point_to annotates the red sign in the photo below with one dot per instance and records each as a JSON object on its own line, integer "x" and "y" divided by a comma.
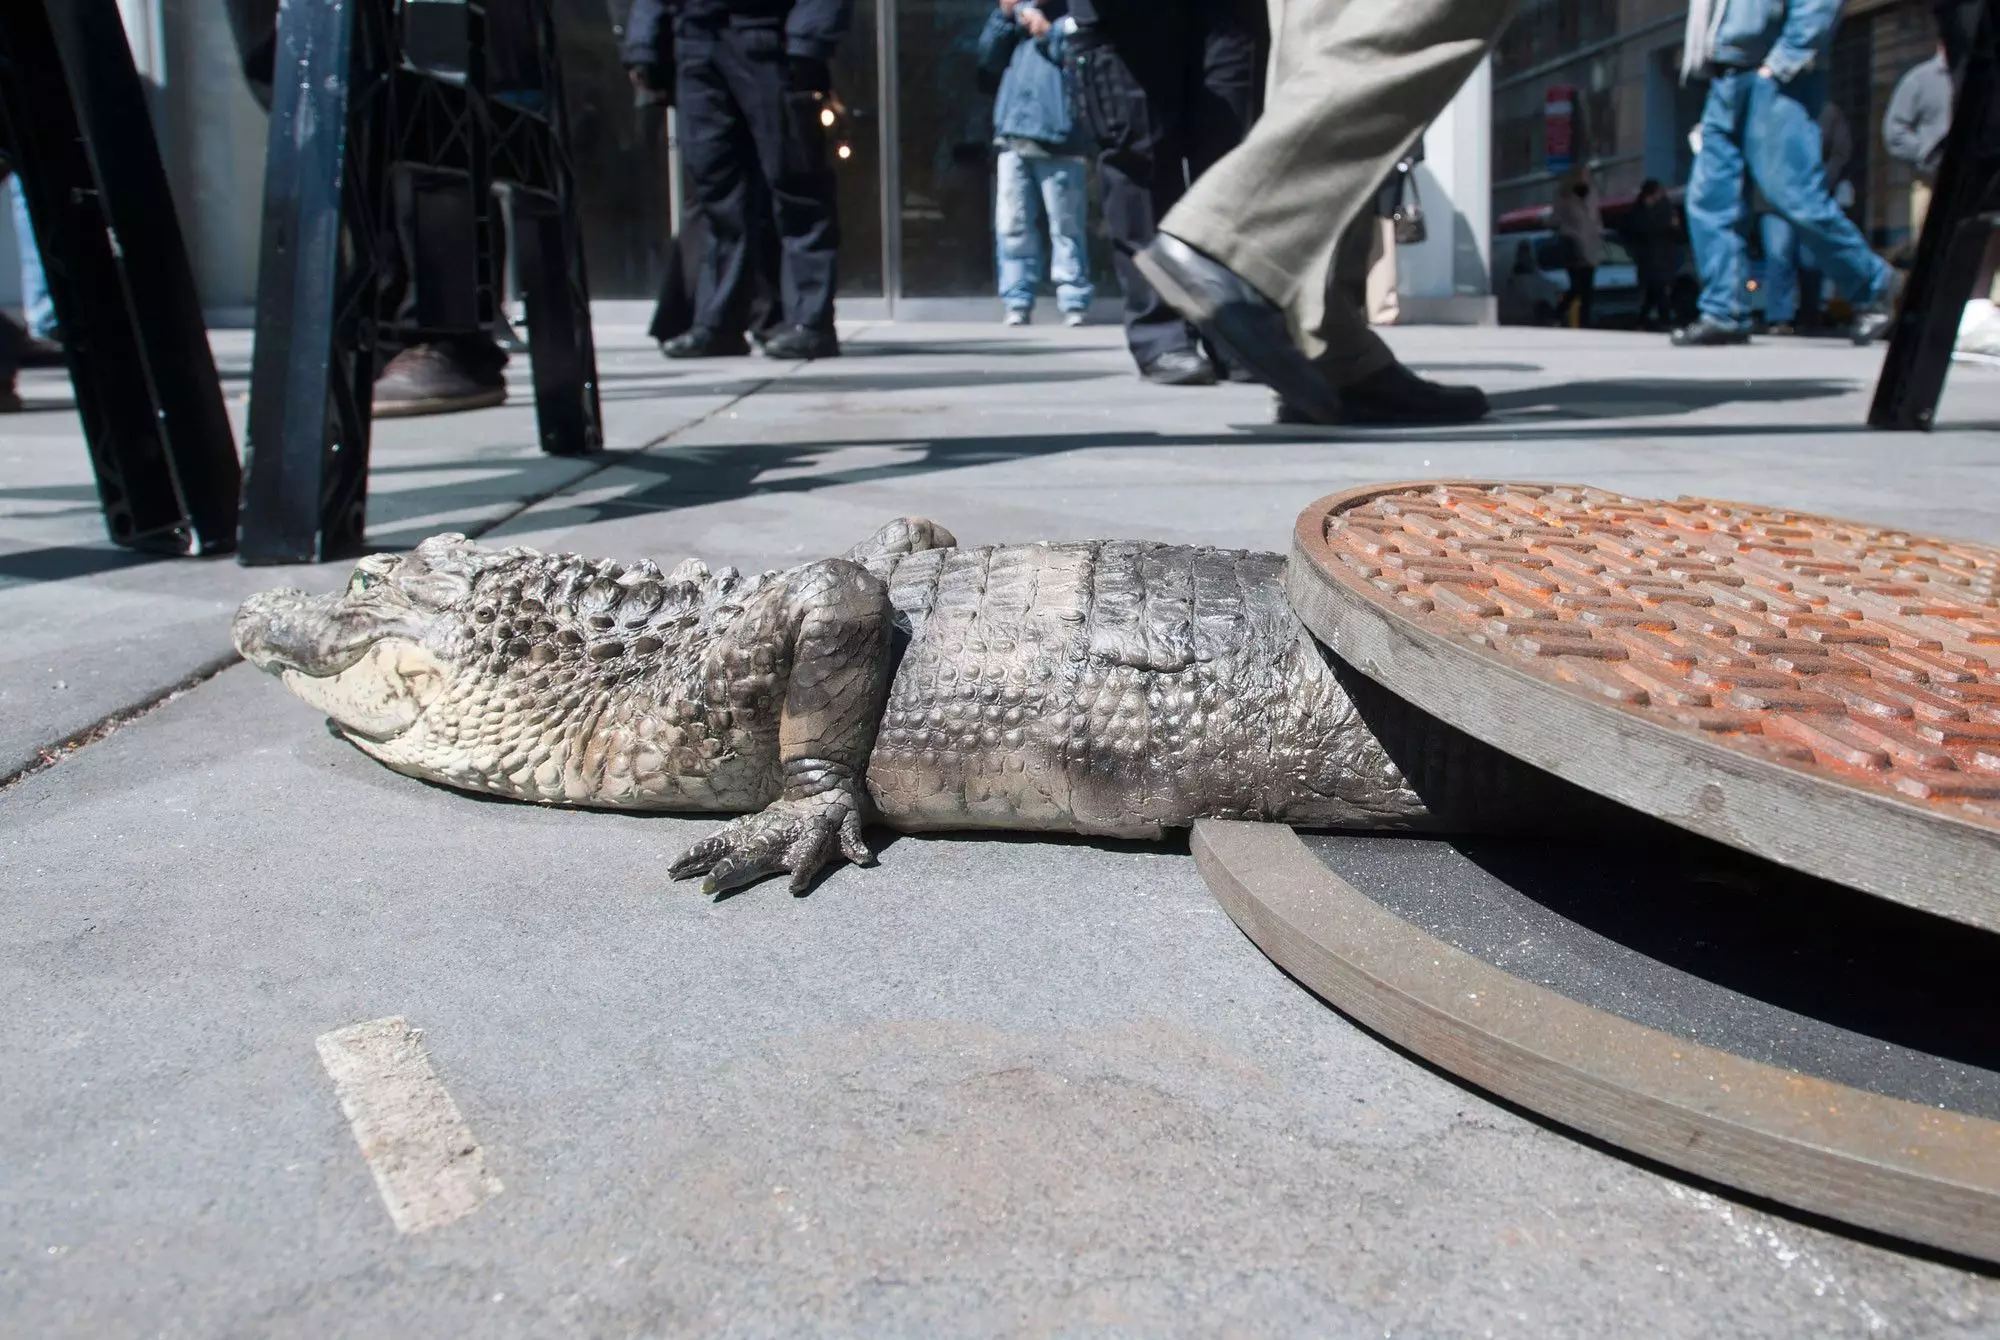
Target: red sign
{"x": 1559, "y": 127}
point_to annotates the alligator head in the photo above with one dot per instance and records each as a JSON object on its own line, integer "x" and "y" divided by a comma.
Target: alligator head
{"x": 542, "y": 676}
{"x": 377, "y": 654}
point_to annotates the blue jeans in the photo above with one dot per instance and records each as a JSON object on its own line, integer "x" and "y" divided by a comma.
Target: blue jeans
{"x": 1028, "y": 187}
{"x": 1771, "y": 129}
{"x": 36, "y": 307}
{"x": 1784, "y": 261}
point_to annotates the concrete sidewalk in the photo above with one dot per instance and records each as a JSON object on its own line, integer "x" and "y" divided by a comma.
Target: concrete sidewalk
{"x": 991, "y": 1086}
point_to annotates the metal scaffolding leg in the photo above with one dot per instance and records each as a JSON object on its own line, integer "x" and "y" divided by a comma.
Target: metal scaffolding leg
{"x": 369, "y": 93}
{"x": 327, "y": 225}
{"x": 1965, "y": 206}
{"x": 73, "y": 115}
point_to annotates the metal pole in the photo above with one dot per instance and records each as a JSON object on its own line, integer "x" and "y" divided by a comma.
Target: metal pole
{"x": 888, "y": 85}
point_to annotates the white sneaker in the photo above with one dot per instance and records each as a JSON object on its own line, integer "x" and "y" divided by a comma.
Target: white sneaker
{"x": 1982, "y": 340}
{"x": 1074, "y": 318}
{"x": 1016, "y": 316}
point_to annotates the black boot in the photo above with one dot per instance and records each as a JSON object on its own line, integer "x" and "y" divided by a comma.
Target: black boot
{"x": 1705, "y": 330}
{"x": 802, "y": 342}
{"x": 1396, "y": 397}
{"x": 701, "y": 342}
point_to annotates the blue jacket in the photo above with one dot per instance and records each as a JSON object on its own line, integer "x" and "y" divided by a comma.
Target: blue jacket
{"x": 1786, "y": 35}
{"x": 1033, "y": 103}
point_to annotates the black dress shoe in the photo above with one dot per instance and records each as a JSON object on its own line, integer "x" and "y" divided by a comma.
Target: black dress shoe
{"x": 1179, "y": 367}
{"x": 443, "y": 377}
{"x": 1245, "y": 327}
{"x": 803, "y": 342}
{"x": 1707, "y": 330}
{"x": 701, "y": 342}
{"x": 1396, "y": 397}
{"x": 37, "y": 352}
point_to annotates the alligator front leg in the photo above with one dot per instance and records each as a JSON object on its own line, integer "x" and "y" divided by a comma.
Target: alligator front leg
{"x": 835, "y": 627}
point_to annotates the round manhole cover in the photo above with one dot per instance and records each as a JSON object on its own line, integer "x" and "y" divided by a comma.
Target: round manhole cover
{"x": 1815, "y": 691}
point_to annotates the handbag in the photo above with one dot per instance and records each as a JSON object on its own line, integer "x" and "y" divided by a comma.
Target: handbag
{"x": 1408, "y": 216}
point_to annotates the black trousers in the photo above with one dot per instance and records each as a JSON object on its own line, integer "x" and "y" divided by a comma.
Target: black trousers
{"x": 1174, "y": 90}
{"x": 744, "y": 135}
{"x": 1582, "y": 287}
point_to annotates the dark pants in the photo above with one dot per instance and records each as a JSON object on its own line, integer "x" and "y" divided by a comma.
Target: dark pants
{"x": 1582, "y": 287}
{"x": 739, "y": 128}
{"x": 1656, "y": 301}
{"x": 1176, "y": 88}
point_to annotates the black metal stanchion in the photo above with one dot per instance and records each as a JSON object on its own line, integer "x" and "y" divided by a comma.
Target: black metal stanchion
{"x": 73, "y": 116}
{"x": 1965, "y": 206}
{"x": 368, "y": 92}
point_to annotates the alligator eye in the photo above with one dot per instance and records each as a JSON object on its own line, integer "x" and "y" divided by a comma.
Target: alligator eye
{"x": 360, "y": 582}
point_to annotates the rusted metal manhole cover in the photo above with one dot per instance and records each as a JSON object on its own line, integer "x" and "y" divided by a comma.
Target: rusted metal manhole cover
{"x": 1816, "y": 691}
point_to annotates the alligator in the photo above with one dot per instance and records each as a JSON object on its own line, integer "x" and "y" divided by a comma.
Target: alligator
{"x": 1112, "y": 688}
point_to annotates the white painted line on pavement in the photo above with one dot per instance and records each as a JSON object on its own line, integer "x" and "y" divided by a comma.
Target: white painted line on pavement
{"x": 427, "y": 1166}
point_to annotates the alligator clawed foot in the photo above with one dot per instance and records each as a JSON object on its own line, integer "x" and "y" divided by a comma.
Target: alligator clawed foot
{"x": 796, "y": 836}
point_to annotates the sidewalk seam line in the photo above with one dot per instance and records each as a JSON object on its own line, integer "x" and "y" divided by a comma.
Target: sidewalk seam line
{"x": 77, "y": 741}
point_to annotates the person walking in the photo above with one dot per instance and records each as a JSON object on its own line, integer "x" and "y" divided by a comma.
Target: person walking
{"x": 1248, "y": 252}
{"x": 1791, "y": 275}
{"x": 1042, "y": 164}
{"x": 751, "y": 79}
{"x": 1766, "y": 66}
{"x": 1656, "y": 253}
{"x": 1165, "y": 88}
{"x": 1579, "y": 222}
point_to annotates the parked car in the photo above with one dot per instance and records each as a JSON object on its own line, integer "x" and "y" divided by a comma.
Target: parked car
{"x": 1529, "y": 280}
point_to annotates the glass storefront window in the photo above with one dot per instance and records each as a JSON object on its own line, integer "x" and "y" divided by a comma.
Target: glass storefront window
{"x": 944, "y": 150}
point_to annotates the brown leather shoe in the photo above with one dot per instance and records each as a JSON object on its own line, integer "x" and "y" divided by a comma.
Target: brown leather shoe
{"x": 442, "y": 378}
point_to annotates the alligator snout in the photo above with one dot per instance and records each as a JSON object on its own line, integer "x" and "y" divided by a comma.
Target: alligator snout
{"x": 290, "y": 630}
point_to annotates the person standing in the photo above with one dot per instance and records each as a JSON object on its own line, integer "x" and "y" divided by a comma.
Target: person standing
{"x": 752, "y": 78}
{"x": 1656, "y": 254}
{"x": 1042, "y": 164}
{"x": 1579, "y": 222}
{"x": 1766, "y": 66}
{"x": 1915, "y": 126}
{"x": 1165, "y": 88}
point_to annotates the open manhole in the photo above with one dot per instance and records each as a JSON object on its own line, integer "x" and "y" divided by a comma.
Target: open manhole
{"x": 1771, "y": 1031}
{"x": 1814, "y": 691}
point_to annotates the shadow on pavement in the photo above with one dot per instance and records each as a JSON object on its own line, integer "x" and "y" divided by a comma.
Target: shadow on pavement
{"x": 1619, "y": 398}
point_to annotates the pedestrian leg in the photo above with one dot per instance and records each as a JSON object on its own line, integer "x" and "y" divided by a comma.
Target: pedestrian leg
{"x": 1132, "y": 94}
{"x": 36, "y": 306}
{"x": 1781, "y": 143}
{"x": 1355, "y": 83}
{"x": 1016, "y": 226}
{"x": 1781, "y": 270}
{"x": 1066, "y": 203}
{"x": 718, "y": 155}
{"x": 1714, "y": 203}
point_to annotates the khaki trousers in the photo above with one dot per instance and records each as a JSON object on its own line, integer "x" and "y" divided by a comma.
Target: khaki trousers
{"x": 1353, "y": 83}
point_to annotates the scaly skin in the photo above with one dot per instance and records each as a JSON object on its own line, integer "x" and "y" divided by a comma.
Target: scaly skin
{"x": 1098, "y": 687}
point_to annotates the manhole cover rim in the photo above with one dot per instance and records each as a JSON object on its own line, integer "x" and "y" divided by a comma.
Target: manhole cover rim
{"x": 1961, "y": 851}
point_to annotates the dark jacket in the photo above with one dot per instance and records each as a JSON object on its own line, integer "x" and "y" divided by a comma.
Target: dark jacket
{"x": 1033, "y": 101}
{"x": 1649, "y": 235}
{"x": 813, "y": 28}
